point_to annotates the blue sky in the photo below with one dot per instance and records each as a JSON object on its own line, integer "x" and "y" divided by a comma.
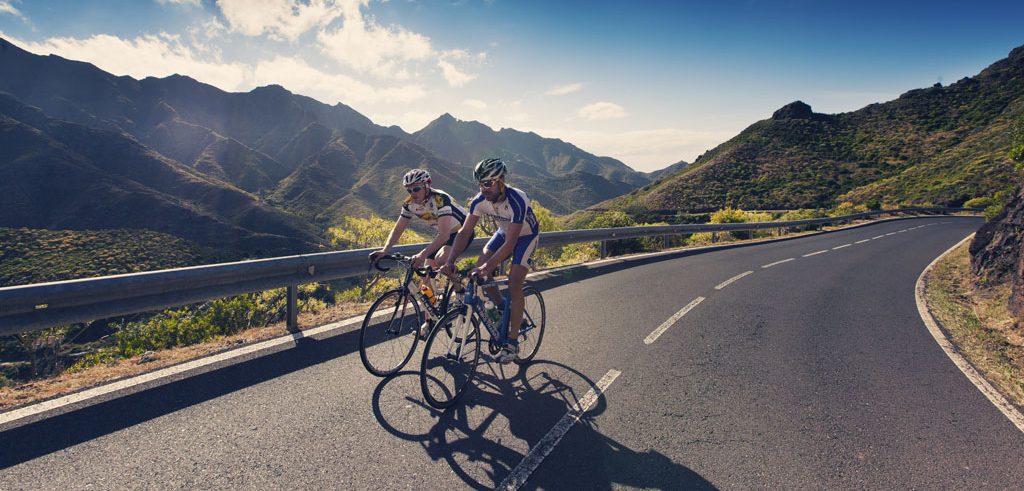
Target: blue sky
{"x": 649, "y": 83}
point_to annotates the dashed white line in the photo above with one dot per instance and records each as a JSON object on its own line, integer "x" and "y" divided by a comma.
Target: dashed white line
{"x": 901, "y": 231}
{"x": 815, "y": 253}
{"x": 653, "y": 336}
{"x": 730, "y": 280}
{"x": 890, "y": 233}
{"x": 842, "y": 246}
{"x": 877, "y": 237}
{"x": 522, "y": 472}
{"x": 862, "y": 241}
{"x": 779, "y": 262}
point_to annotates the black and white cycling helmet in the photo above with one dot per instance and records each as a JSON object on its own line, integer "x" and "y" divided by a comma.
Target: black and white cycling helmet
{"x": 414, "y": 176}
{"x": 489, "y": 169}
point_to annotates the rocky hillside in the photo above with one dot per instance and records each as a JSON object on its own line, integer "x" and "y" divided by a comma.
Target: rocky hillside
{"x": 940, "y": 145}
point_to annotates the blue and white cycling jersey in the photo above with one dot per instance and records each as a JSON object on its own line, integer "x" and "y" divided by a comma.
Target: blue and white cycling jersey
{"x": 514, "y": 209}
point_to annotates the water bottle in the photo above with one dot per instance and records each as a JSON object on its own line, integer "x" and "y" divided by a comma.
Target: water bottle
{"x": 492, "y": 311}
{"x": 429, "y": 293}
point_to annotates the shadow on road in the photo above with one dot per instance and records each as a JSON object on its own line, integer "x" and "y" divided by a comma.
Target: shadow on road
{"x": 472, "y": 438}
{"x": 39, "y": 438}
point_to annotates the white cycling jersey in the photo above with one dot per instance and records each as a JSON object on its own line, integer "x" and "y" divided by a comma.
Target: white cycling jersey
{"x": 514, "y": 209}
{"x": 437, "y": 205}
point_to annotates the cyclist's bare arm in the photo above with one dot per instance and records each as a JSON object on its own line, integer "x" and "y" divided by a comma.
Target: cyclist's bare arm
{"x": 461, "y": 241}
{"x": 396, "y": 233}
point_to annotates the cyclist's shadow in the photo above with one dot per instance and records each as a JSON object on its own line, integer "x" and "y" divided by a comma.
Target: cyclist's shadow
{"x": 525, "y": 402}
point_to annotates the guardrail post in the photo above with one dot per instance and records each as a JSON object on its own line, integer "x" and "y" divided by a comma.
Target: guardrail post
{"x": 664, "y": 241}
{"x": 604, "y": 249}
{"x": 714, "y": 237}
{"x": 293, "y": 308}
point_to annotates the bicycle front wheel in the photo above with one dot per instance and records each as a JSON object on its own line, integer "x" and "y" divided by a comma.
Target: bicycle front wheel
{"x": 389, "y": 333}
{"x": 449, "y": 361}
{"x": 531, "y": 332}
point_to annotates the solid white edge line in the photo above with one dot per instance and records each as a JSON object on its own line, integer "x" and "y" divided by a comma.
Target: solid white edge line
{"x": 730, "y": 280}
{"x": 947, "y": 346}
{"x": 778, "y": 262}
{"x": 543, "y": 448}
{"x": 815, "y": 253}
{"x": 842, "y": 246}
{"x": 77, "y": 397}
{"x": 653, "y": 336}
{"x": 862, "y": 241}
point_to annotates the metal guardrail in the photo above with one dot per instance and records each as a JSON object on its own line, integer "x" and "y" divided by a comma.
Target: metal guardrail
{"x": 42, "y": 305}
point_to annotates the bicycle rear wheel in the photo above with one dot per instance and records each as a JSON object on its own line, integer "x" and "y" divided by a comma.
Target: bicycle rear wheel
{"x": 531, "y": 332}
{"x": 388, "y": 336}
{"x": 448, "y": 368}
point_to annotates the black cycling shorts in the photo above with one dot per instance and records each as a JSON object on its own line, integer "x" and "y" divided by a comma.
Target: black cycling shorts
{"x": 451, "y": 242}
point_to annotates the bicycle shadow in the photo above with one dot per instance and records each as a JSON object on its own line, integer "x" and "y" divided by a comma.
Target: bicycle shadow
{"x": 525, "y": 402}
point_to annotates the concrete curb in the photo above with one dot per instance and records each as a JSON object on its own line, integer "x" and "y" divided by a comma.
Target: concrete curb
{"x": 993, "y": 395}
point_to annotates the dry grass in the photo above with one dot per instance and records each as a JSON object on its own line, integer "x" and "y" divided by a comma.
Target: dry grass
{"x": 978, "y": 321}
{"x": 71, "y": 382}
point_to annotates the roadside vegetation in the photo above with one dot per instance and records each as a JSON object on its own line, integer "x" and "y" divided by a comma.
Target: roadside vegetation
{"x": 978, "y": 321}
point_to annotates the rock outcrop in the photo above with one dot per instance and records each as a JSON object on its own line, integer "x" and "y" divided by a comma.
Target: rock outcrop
{"x": 996, "y": 251}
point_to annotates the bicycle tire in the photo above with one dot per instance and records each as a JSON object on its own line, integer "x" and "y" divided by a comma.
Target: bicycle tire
{"x": 385, "y": 347}
{"x": 437, "y": 363}
{"x": 534, "y": 315}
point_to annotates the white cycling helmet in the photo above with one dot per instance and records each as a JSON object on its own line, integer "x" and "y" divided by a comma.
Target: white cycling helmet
{"x": 414, "y": 176}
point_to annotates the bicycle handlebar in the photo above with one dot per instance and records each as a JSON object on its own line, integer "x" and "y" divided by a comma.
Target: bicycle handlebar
{"x": 401, "y": 258}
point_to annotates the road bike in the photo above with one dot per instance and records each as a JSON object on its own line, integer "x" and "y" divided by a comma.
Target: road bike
{"x": 451, "y": 354}
{"x": 390, "y": 330}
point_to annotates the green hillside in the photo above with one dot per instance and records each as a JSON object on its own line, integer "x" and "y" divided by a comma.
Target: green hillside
{"x": 940, "y": 145}
{"x": 37, "y": 256}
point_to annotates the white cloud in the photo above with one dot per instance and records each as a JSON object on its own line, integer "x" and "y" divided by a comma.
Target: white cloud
{"x": 602, "y": 110}
{"x": 278, "y": 19}
{"x": 162, "y": 55}
{"x": 149, "y": 55}
{"x": 368, "y": 47}
{"x": 475, "y": 103}
{"x": 7, "y": 8}
{"x": 298, "y": 76}
{"x": 181, "y": 3}
{"x": 564, "y": 89}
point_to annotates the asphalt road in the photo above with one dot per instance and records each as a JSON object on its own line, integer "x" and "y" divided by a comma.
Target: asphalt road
{"x": 815, "y": 372}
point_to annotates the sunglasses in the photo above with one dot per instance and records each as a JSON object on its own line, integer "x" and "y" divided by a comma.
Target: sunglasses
{"x": 488, "y": 184}
{"x": 414, "y": 190}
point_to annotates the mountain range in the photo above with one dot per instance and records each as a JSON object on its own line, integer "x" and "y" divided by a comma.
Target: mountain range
{"x": 261, "y": 172}
{"x": 941, "y": 145}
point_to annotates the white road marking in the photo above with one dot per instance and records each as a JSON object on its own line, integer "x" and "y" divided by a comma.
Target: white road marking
{"x": 522, "y": 472}
{"x": 877, "y": 237}
{"x": 778, "y": 262}
{"x": 815, "y": 253}
{"x": 901, "y": 231}
{"x": 862, "y": 241}
{"x": 842, "y": 246}
{"x": 990, "y": 392}
{"x": 730, "y": 280}
{"x": 653, "y": 336}
{"x": 890, "y": 233}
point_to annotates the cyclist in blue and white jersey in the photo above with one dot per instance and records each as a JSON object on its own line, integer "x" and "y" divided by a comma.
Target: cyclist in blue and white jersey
{"x": 516, "y": 238}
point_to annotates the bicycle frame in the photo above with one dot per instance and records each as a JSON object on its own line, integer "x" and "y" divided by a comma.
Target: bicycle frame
{"x": 473, "y": 306}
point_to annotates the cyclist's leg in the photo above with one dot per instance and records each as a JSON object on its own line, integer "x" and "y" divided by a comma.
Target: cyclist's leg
{"x": 492, "y": 246}
{"x": 522, "y": 257}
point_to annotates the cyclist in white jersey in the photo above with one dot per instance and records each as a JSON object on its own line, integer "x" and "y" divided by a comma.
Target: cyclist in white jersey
{"x": 435, "y": 207}
{"x": 516, "y": 238}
